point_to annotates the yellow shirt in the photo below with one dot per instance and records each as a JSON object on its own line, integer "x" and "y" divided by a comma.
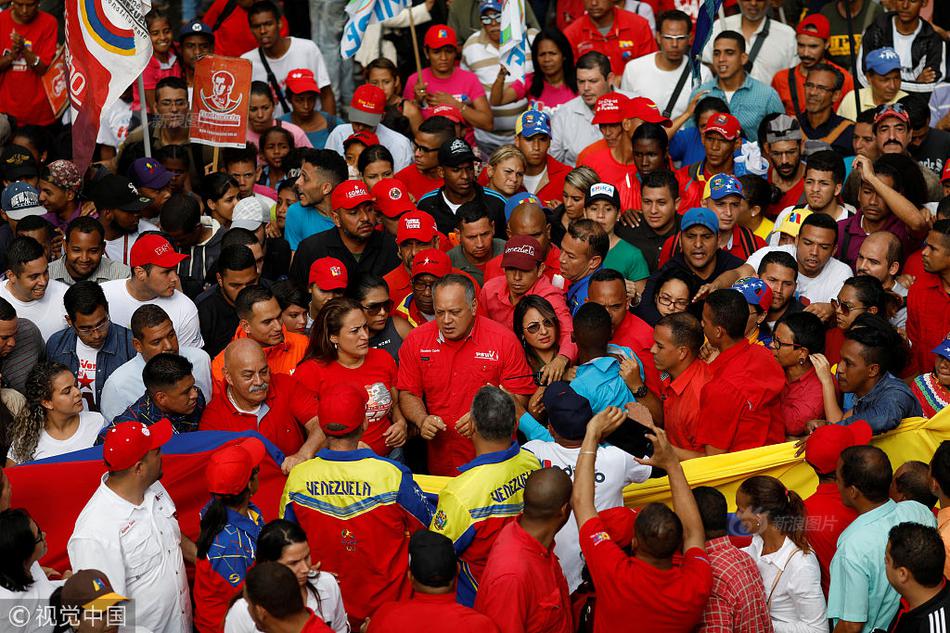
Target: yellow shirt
{"x": 765, "y": 229}
{"x": 846, "y": 109}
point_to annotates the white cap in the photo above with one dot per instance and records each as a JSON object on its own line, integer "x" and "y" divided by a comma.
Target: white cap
{"x": 249, "y": 213}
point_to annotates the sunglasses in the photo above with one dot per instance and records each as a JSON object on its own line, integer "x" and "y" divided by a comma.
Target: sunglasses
{"x": 491, "y": 17}
{"x": 845, "y": 308}
{"x": 378, "y": 307}
{"x": 535, "y": 326}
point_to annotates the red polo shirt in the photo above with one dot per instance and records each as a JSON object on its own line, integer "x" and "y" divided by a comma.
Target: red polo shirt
{"x": 447, "y": 374}
{"x": 552, "y": 266}
{"x": 637, "y": 334}
{"x": 681, "y": 409}
{"x": 629, "y": 37}
{"x": 21, "y": 90}
{"x": 597, "y": 156}
{"x": 634, "y": 595}
{"x": 429, "y": 613}
{"x": 523, "y": 588}
{"x": 289, "y": 407}
{"x": 417, "y": 183}
{"x": 827, "y": 519}
{"x": 740, "y": 403}
{"x": 928, "y": 320}
{"x": 315, "y": 624}
{"x": 494, "y": 301}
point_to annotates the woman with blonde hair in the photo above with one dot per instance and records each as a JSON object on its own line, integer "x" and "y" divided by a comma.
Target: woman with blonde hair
{"x": 505, "y": 170}
{"x": 576, "y": 184}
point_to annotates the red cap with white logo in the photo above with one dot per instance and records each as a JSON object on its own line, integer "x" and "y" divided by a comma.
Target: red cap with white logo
{"x": 328, "y": 273}
{"x": 154, "y": 249}
{"x": 350, "y": 194}
{"x": 416, "y": 225}
{"x": 610, "y": 108}
{"x": 431, "y": 261}
{"x": 392, "y": 197}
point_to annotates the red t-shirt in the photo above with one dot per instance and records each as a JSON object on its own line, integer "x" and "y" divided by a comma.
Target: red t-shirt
{"x": 429, "y": 613}
{"x": 637, "y": 334}
{"x": 633, "y": 595}
{"x": 794, "y": 197}
{"x": 629, "y": 37}
{"x": 21, "y": 90}
{"x": 597, "y": 156}
{"x": 315, "y": 625}
{"x": 233, "y": 38}
{"x": 377, "y": 375}
{"x": 417, "y": 183}
{"x": 928, "y": 320}
{"x": 827, "y": 518}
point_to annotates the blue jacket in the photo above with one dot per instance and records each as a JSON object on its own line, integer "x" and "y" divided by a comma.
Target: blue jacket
{"x": 115, "y": 352}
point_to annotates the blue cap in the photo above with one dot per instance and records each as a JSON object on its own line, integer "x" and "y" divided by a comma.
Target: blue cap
{"x": 518, "y": 199}
{"x": 701, "y": 216}
{"x": 489, "y": 5}
{"x": 941, "y": 350}
{"x": 195, "y": 27}
{"x": 755, "y": 291}
{"x": 722, "y": 185}
{"x": 883, "y": 60}
{"x": 533, "y": 122}
{"x": 20, "y": 200}
{"x": 568, "y": 412}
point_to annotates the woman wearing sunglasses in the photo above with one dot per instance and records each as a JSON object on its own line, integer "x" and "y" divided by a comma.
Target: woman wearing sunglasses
{"x": 22, "y": 581}
{"x": 537, "y": 327}
{"x": 796, "y": 338}
{"x": 385, "y": 332}
{"x": 859, "y": 295}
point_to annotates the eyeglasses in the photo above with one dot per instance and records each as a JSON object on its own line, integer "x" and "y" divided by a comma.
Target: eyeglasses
{"x": 666, "y": 301}
{"x": 534, "y": 326}
{"x": 491, "y": 17}
{"x": 92, "y": 329}
{"x": 378, "y": 307}
{"x": 813, "y": 86}
{"x": 845, "y": 307}
{"x": 422, "y": 148}
{"x": 775, "y": 343}
{"x": 418, "y": 285}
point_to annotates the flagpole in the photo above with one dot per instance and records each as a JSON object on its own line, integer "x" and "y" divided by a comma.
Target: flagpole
{"x": 144, "y": 109}
{"x": 415, "y": 44}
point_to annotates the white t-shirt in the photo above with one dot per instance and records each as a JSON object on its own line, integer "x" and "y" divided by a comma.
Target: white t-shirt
{"x": 615, "y": 469}
{"x": 301, "y": 54}
{"x": 86, "y": 373}
{"x": 47, "y": 313}
{"x": 181, "y": 310}
{"x": 397, "y": 144}
{"x": 33, "y": 599}
{"x": 820, "y": 289}
{"x": 118, "y": 249}
{"x": 114, "y": 124}
{"x": 90, "y": 423}
{"x": 329, "y": 608}
{"x": 642, "y": 78}
{"x": 531, "y": 182}
{"x": 903, "y": 45}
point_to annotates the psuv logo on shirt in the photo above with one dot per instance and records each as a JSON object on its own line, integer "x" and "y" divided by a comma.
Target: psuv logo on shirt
{"x": 348, "y": 540}
{"x": 505, "y": 492}
{"x": 490, "y": 355}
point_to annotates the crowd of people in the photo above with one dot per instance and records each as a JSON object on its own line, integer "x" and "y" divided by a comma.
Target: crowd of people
{"x": 542, "y": 288}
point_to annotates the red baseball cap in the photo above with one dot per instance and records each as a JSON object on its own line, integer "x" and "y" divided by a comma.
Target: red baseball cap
{"x": 301, "y": 80}
{"x": 824, "y": 446}
{"x": 945, "y": 176}
{"x": 366, "y": 138}
{"x": 416, "y": 225}
{"x": 431, "y": 261}
{"x": 522, "y": 252}
{"x": 392, "y": 197}
{"x": 345, "y": 409}
{"x": 895, "y": 110}
{"x": 350, "y": 194}
{"x": 815, "y": 25}
{"x": 127, "y": 443}
{"x": 620, "y": 523}
{"x": 328, "y": 273}
{"x": 154, "y": 249}
{"x": 448, "y": 111}
{"x": 367, "y": 105}
{"x": 229, "y": 469}
{"x": 611, "y": 108}
{"x": 646, "y": 110}
{"x": 725, "y": 124}
{"x": 440, "y": 35}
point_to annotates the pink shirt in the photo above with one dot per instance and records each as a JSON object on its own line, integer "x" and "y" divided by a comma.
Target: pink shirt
{"x": 155, "y": 71}
{"x": 300, "y": 137}
{"x": 461, "y": 84}
{"x": 495, "y": 303}
{"x": 551, "y": 96}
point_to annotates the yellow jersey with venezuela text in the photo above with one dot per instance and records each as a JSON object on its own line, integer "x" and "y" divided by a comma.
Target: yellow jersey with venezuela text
{"x": 358, "y": 510}
{"x": 474, "y": 506}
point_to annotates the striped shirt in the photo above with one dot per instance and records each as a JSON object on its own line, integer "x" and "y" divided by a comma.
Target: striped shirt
{"x": 480, "y": 56}
{"x": 930, "y": 617}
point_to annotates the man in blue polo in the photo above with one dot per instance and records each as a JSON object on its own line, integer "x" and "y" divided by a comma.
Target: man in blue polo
{"x": 583, "y": 251}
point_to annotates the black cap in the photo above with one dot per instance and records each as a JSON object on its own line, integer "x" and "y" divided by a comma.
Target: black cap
{"x": 116, "y": 192}
{"x": 602, "y": 191}
{"x": 432, "y": 559}
{"x": 195, "y": 27}
{"x": 18, "y": 162}
{"x": 455, "y": 152}
{"x": 568, "y": 412}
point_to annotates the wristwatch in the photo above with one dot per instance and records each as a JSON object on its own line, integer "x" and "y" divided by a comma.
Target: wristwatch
{"x": 641, "y": 392}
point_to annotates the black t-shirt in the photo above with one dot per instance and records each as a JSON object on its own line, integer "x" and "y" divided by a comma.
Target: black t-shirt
{"x": 919, "y": 620}
{"x": 218, "y": 320}
{"x": 933, "y": 152}
{"x": 646, "y": 239}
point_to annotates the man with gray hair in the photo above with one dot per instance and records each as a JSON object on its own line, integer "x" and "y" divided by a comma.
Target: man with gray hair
{"x": 443, "y": 363}
{"x": 493, "y": 484}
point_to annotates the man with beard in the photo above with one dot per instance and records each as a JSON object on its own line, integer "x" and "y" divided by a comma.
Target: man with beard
{"x": 543, "y": 174}
{"x": 783, "y": 147}
{"x": 477, "y": 244}
{"x": 422, "y": 176}
{"x": 699, "y": 256}
{"x": 321, "y": 171}
{"x": 120, "y": 206}
{"x": 818, "y": 120}
{"x": 355, "y": 240}
{"x": 457, "y": 170}
{"x": 83, "y": 255}
{"x": 721, "y": 138}
{"x": 572, "y": 126}
{"x": 811, "y": 36}
{"x": 928, "y": 302}
{"x": 824, "y": 176}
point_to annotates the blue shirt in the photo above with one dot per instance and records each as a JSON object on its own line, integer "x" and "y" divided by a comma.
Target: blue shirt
{"x": 889, "y": 402}
{"x": 686, "y": 146}
{"x": 576, "y": 294}
{"x": 232, "y": 551}
{"x": 750, "y": 103}
{"x": 318, "y": 138}
{"x": 859, "y": 590}
{"x": 302, "y": 222}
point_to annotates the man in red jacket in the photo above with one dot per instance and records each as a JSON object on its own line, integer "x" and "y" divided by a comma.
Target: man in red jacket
{"x": 627, "y": 36}
{"x": 543, "y": 174}
{"x": 231, "y": 29}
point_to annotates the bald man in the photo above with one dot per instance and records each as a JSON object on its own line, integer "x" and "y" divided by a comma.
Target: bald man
{"x": 529, "y": 219}
{"x": 880, "y": 256}
{"x": 274, "y": 405}
{"x": 523, "y": 574}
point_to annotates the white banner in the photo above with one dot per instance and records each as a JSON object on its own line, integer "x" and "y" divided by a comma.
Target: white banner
{"x": 363, "y": 13}
{"x": 514, "y": 38}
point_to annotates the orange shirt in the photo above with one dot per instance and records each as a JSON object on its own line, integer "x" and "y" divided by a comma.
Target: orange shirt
{"x": 281, "y": 358}
{"x": 681, "y": 412}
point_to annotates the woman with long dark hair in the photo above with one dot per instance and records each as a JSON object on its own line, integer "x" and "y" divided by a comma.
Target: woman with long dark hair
{"x": 285, "y": 542}
{"x": 53, "y": 421}
{"x": 230, "y": 525}
{"x": 219, "y": 193}
{"x": 22, "y": 581}
{"x": 294, "y": 304}
{"x": 775, "y": 516}
{"x": 554, "y": 80}
{"x": 339, "y": 353}
{"x": 385, "y": 332}
{"x": 537, "y": 327}
{"x": 374, "y": 164}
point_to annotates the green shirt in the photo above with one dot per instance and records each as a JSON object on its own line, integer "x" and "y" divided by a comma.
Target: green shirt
{"x": 458, "y": 259}
{"x": 627, "y": 260}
